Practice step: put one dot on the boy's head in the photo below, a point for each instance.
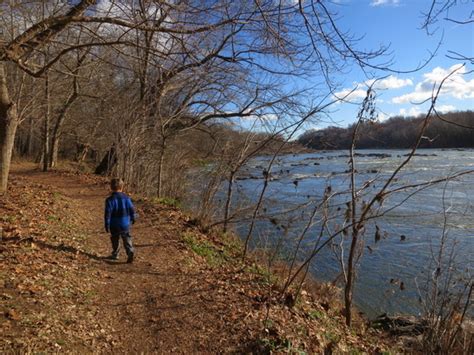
(116, 184)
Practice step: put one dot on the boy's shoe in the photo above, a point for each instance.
(130, 259)
(112, 257)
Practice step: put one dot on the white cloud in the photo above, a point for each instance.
(127, 12)
(383, 116)
(351, 94)
(390, 82)
(385, 2)
(414, 111)
(360, 90)
(445, 108)
(264, 117)
(455, 86)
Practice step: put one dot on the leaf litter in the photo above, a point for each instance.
(186, 292)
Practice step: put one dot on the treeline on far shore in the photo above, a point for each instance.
(450, 130)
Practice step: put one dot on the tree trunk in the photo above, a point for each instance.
(62, 115)
(8, 124)
(161, 158)
(28, 151)
(228, 201)
(107, 163)
(46, 133)
(56, 134)
(84, 148)
(349, 287)
(54, 150)
(81, 155)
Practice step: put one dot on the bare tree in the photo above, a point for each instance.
(214, 47)
(363, 208)
(439, 10)
(446, 295)
(17, 50)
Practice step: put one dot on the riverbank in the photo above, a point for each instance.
(411, 220)
(398, 133)
(187, 292)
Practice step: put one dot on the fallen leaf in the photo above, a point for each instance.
(13, 315)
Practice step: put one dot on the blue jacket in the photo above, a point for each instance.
(119, 212)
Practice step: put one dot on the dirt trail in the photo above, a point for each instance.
(186, 292)
(154, 304)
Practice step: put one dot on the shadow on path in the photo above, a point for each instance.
(69, 249)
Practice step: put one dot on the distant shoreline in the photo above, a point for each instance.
(454, 130)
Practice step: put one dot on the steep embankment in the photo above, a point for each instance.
(187, 292)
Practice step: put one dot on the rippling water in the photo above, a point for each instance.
(300, 180)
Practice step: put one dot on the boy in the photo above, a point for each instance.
(119, 213)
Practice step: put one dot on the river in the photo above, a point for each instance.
(411, 226)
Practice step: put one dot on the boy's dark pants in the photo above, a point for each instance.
(127, 242)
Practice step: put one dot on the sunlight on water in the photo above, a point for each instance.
(298, 180)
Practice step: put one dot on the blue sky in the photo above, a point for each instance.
(397, 23)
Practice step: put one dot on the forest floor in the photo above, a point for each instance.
(186, 292)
